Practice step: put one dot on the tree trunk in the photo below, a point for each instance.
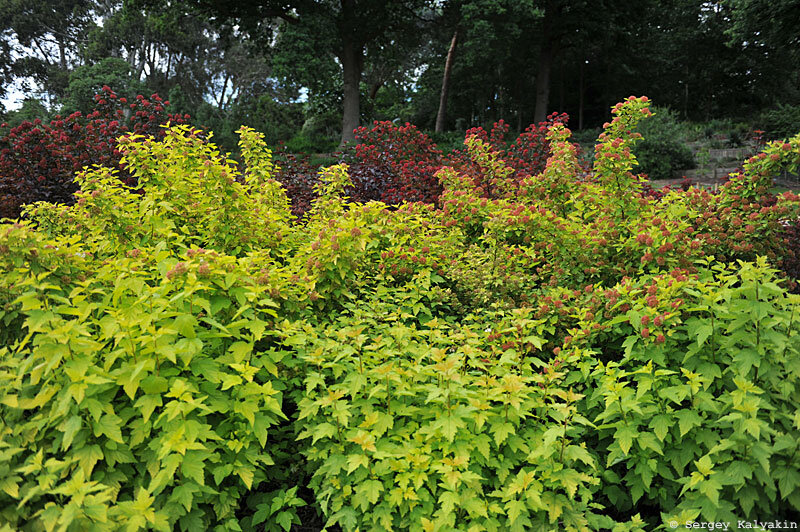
(221, 99)
(686, 100)
(373, 93)
(543, 82)
(351, 67)
(352, 58)
(140, 55)
(501, 103)
(546, 54)
(62, 55)
(561, 84)
(580, 96)
(448, 65)
(520, 98)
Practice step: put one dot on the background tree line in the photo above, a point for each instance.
(309, 71)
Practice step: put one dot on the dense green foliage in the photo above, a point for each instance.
(662, 153)
(555, 352)
(782, 122)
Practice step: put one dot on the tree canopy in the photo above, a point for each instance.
(314, 70)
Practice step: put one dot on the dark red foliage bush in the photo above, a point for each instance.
(397, 164)
(38, 161)
(390, 164)
(659, 192)
(297, 175)
(789, 247)
(527, 155)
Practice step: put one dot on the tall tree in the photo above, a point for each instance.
(164, 44)
(573, 24)
(767, 23)
(675, 51)
(42, 39)
(550, 42)
(448, 68)
(346, 29)
(6, 62)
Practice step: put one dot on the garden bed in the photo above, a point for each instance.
(526, 351)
